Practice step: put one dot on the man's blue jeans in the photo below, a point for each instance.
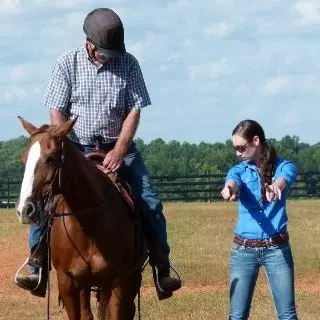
(34, 237)
(135, 172)
(244, 267)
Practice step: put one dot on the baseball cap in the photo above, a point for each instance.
(104, 28)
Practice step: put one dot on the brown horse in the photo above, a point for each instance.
(93, 237)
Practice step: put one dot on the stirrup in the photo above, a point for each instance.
(163, 294)
(40, 275)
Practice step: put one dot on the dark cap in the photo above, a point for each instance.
(104, 28)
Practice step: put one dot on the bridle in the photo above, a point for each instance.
(50, 192)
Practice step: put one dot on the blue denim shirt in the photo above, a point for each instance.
(258, 219)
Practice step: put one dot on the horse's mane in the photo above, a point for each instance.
(43, 128)
(53, 129)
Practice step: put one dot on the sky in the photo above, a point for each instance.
(207, 64)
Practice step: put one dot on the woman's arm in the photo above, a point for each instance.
(229, 191)
(274, 191)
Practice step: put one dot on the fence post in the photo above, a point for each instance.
(8, 193)
(209, 183)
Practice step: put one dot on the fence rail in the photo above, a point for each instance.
(184, 188)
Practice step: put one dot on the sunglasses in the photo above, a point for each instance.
(241, 148)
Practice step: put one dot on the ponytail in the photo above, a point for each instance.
(267, 164)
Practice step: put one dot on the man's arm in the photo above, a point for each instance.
(114, 158)
(57, 117)
(128, 131)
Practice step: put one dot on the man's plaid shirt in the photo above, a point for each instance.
(100, 96)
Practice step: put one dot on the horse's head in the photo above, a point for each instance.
(42, 158)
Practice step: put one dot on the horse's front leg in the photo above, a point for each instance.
(70, 296)
(85, 307)
(103, 303)
(121, 304)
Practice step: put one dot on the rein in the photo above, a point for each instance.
(97, 207)
(51, 216)
(58, 174)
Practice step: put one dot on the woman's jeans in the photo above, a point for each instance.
(244, 267)
(134, 171)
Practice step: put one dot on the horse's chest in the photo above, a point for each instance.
(96, 265)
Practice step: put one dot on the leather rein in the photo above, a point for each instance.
(94, 156)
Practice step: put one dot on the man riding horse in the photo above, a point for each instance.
(102, 84)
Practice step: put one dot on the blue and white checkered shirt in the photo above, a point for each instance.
(101, 97)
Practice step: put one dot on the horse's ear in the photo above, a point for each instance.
(27, 125)
(64, 128)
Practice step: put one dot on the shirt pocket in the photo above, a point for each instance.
(80, 98)
(252, 184)
(252, 192)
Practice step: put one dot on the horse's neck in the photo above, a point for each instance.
(82, 184)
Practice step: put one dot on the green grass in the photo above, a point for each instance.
(200, 235)
(8, 222)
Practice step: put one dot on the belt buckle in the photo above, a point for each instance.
(269, 242)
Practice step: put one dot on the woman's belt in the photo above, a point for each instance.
(281, 238)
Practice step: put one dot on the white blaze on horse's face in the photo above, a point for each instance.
(26, 209)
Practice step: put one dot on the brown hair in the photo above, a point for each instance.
(248, 129)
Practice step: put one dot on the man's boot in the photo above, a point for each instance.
(165, 284)
(36, 283)
(159, 260)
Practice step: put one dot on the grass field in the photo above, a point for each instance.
(200, 235)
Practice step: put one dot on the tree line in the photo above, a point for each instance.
(176, 158)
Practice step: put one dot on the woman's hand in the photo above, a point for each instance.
(273, 192)
(228, 193)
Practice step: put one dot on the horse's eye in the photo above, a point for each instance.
(50, 159)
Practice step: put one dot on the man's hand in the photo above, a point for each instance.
(228, 193)
(273, 192)
(113, 160)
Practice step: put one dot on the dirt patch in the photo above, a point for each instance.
(16, 303)
(14, 250)
(301, 285)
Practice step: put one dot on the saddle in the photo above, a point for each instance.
(122, 186)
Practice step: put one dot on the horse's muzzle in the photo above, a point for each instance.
(29, 213)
